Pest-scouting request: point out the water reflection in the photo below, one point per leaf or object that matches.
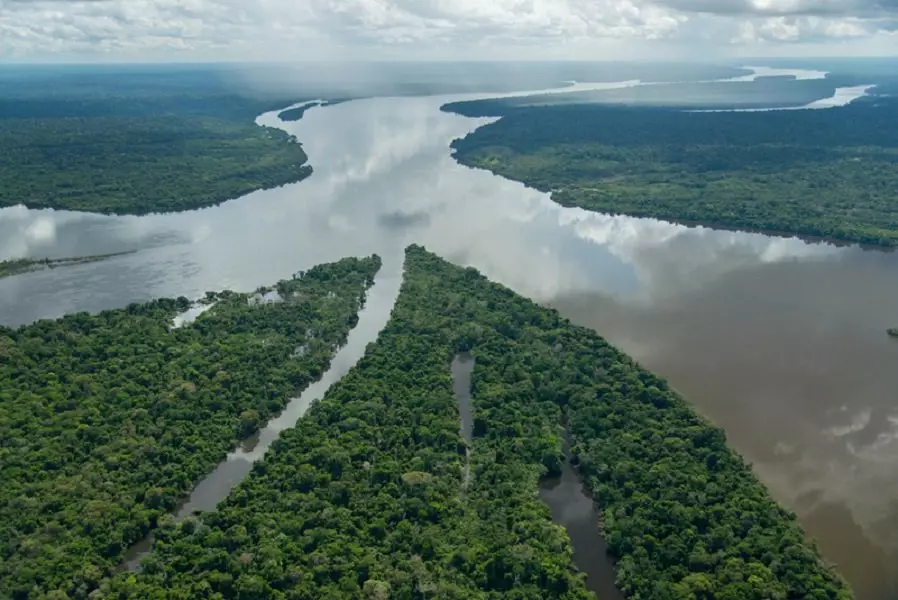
(770, 337)
(462, 369)
(573, 508)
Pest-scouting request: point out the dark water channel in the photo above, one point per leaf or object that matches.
(573, 508)
(462, 369)
(780, 341)
(571, 505)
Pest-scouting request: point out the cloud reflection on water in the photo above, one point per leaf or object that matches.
(766, 335)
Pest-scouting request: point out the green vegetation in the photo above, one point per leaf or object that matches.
(141, 164)
(363, 498)
(107, 420)
(8, 268)
(137, 142)
(827, 173)
(295, 114)
(893, 332)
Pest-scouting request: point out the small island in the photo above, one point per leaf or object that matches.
(297, 113)
(17, 266)
(893, 332)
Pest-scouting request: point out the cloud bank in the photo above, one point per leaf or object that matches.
(321, 29)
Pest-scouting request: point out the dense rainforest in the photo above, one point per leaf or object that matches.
(831, 173)
(136, 142)
(365, 498)
(107, 420)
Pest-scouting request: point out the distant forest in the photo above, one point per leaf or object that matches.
(831, 174)
(364, 499)
(135, 142)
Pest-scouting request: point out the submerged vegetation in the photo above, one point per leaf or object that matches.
(107, 420)
(363, 499)
(819, 173)
(137, 142)
(8, 268)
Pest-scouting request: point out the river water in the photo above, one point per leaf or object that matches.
(462, 369)
(573, 508)
(779, 341)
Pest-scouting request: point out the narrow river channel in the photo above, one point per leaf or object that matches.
(573, 508)
(571, 505)
(780, 341)
(462, 369)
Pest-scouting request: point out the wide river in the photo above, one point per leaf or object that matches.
(780, 341)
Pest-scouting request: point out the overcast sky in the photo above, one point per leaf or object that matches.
(443, 29)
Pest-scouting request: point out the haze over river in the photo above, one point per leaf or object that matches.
(780, 341)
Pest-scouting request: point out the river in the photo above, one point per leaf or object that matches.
(780, 341)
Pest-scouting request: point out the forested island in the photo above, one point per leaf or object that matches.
(137, 142)
(827, 174)
(107, 420)
(365, 499)
(8, 268)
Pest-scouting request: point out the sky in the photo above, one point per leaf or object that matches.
(190, 30)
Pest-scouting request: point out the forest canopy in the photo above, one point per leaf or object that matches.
(107, 420)
(137, 142)
(830, 173)
(365, 497)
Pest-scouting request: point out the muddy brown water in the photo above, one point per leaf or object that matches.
(793, 361)
(780, 341)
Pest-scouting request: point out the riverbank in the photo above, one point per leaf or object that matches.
(821, 174)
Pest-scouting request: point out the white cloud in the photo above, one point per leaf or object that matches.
(802, 29)
(320, 29)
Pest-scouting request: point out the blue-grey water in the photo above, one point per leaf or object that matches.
(780, 341)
